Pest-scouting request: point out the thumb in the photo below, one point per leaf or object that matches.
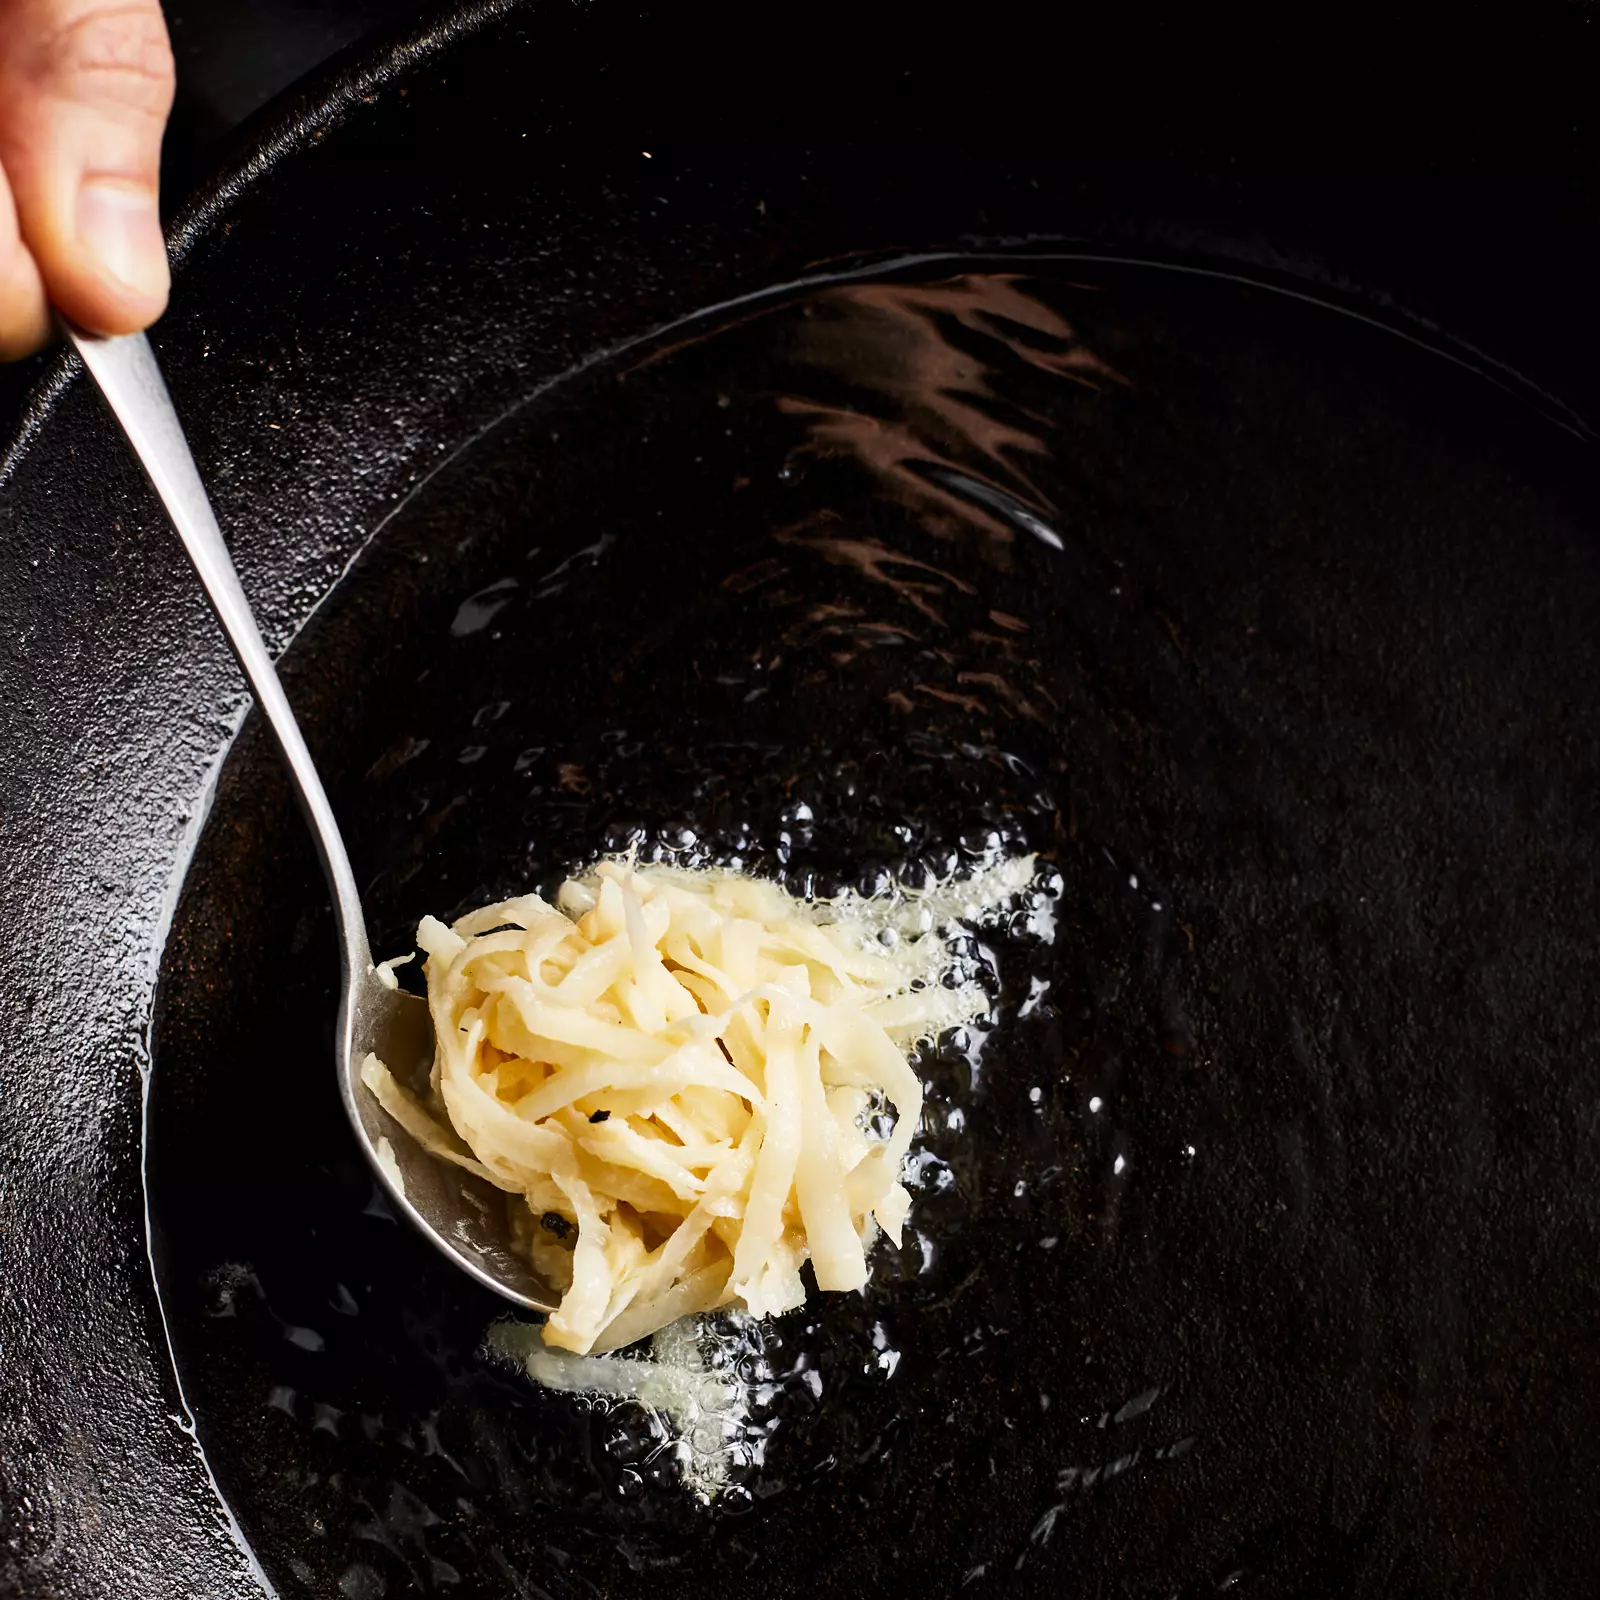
(85, 87)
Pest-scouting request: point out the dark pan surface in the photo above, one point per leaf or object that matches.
(1259, 622)
(1368, 1299)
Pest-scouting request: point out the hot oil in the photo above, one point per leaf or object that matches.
(862, 587)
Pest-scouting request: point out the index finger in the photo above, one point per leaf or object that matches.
(24, 312)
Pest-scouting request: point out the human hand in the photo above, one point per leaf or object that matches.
(85, 88)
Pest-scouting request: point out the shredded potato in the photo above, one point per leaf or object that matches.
(671, 1074)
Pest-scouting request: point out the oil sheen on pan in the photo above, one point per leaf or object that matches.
(1229, 1253)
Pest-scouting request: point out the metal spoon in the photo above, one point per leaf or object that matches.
(465, 1217)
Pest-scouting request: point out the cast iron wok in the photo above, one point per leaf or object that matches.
(1320, 651)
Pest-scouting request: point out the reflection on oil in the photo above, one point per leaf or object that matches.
(927, 408)
(924, 401)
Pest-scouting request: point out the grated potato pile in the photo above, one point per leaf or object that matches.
(676, 1075)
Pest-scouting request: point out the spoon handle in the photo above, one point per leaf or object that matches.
(126, 371)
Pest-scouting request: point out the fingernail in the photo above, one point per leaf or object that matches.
(121, 226)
